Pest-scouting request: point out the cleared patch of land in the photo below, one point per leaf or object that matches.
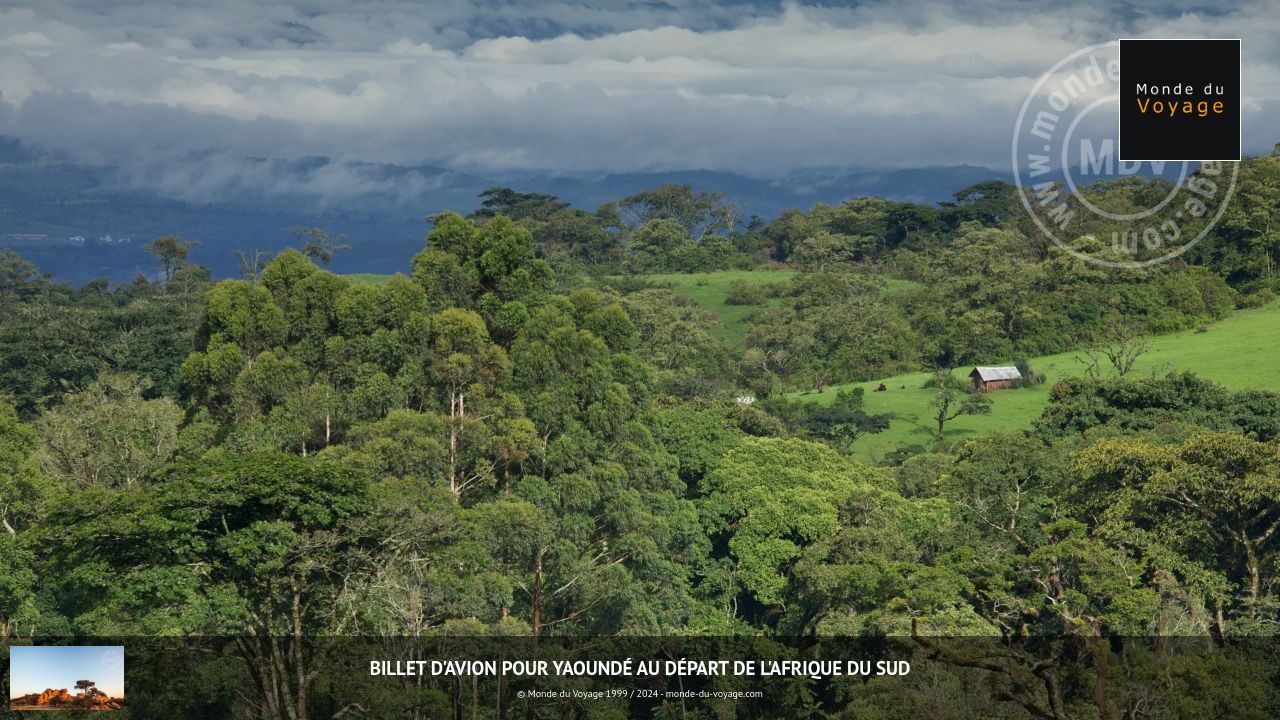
(369, 278)
(709, 290)
(1242, 351)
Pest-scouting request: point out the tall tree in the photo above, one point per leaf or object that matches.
(19, 279)
(769, 498)
(467, 365)
(954, 400)
(246, 314)
(318, 244)
(465, 265)
(698, 212)
(1214, 500)
(269, 548)
(108, 434)
(23, 493)
(171, 251)
(517, 205)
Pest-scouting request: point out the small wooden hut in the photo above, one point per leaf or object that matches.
(986, 379)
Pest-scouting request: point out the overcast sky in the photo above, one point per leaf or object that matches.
(753, 87)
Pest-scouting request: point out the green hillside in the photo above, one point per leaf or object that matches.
(1238, 352)
(370, 278)
(709, 290)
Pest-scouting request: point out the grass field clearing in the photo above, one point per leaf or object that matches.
(709, 290)
(1242, 351)
(369, 278)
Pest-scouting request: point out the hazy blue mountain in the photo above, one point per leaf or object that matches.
(81, 222)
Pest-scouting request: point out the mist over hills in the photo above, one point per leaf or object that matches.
(83, 221)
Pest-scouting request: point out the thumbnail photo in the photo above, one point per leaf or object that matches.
(66, 678)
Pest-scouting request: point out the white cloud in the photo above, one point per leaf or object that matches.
(754, 88)
(18, 77)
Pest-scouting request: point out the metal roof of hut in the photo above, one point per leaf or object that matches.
(996, 373)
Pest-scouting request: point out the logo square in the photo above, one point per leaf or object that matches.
(1179, 100)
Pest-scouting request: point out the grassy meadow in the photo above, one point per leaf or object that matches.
(369, 278)
(1242, 351)
(709, 290)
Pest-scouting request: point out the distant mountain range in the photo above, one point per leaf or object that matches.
(82, 221)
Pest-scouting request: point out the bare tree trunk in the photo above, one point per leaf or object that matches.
(536, 599)
(300, 668)
(457, 411)
(1251, 566)
(1219, 633)
(262, 670)
(502, 697)
(1100, 648)
(457, 698)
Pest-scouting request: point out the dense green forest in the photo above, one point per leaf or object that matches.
(530, 434)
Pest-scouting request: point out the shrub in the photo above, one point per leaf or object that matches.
(1255, 299)
(743, 293)
(1030, 378)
